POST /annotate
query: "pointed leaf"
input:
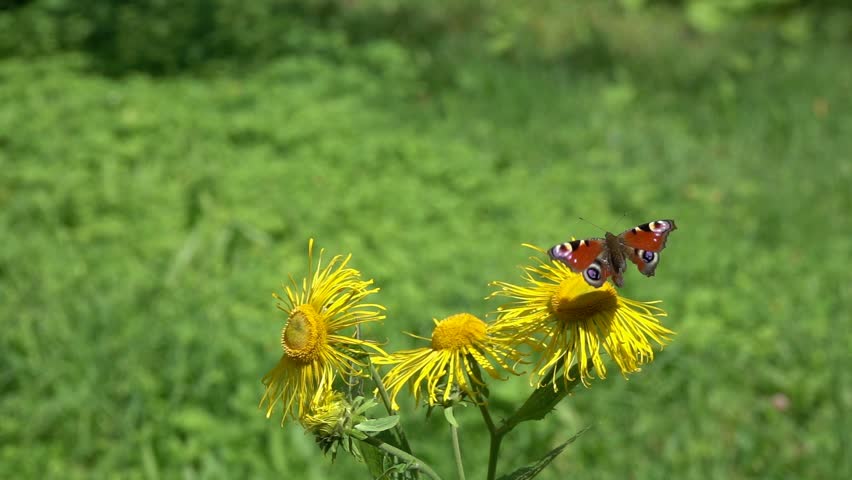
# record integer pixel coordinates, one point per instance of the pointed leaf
(374, 458)
(386, 466)
(378, 424)
(543, 399)
(533, 469)
(363, 405)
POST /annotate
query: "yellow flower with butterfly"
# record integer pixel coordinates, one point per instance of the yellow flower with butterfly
(567, 303)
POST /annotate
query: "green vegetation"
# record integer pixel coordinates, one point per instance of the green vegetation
(147, 215)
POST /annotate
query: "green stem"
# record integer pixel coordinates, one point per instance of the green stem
(540, 402)
(494, 432)
(493, 453)
(457, 451)
(413, 462)
(486, 416)
(383, 393)
(352, 368)
(496, 438)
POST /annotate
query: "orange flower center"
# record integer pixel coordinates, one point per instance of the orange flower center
(304, 336)
(456, 331)
(569, 305)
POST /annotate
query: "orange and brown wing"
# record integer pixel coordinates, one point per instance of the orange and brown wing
(644, 243)
(578, 254)
(584, 256)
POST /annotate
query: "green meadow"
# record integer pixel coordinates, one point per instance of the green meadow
(146, 217)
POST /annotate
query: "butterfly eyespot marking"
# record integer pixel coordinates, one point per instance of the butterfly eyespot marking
(593, 275)
(561, 251)
(661, 226)
(598, 259)
(649, 261)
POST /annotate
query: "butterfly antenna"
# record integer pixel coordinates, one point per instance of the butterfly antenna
(592, 224)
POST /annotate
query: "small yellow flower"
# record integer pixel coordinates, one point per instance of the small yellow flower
(459, 343)
(325, 303)
(576, 319)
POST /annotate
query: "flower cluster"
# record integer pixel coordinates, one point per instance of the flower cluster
(553, 316)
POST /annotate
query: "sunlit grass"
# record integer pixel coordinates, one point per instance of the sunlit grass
(144, 224)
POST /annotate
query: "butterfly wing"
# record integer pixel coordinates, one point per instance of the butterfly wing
(644, 243)
(584, 256)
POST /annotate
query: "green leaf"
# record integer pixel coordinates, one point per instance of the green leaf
(451, 419)
(385, 466)
(378, 424)
(374, 458)
(533, 469)
(544, 398)
(363, 404)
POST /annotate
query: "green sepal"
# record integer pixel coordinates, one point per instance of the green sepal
(451, 418)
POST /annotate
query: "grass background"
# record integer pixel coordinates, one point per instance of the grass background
(145, 220)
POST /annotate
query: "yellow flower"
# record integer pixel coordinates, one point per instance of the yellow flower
(329, 418)
(459, 343)
(576, 319)
(326, 414)
(325, 303)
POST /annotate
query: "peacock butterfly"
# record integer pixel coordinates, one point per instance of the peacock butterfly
(599, 258)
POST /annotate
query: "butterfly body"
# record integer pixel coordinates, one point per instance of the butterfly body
(601, 258)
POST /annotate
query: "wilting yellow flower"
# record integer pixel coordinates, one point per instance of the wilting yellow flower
(326, 413)
(334, 420)
(576, 319)
(325, 303)
(459, 343)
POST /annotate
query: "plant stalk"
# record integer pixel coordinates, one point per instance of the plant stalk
(383, 394)
(521, 415)
(457, 451)
(413, 462)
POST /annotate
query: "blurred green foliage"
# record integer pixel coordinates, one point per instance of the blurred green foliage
(158, 36)
(146, 218)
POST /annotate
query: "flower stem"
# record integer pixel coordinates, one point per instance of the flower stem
(383, 393)
(486, 416)
(493, 453)
(352, 369)
(381, 388)
(413, 462)
(457, 451)
(496, 438)
(544, 399)
(496, 435)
